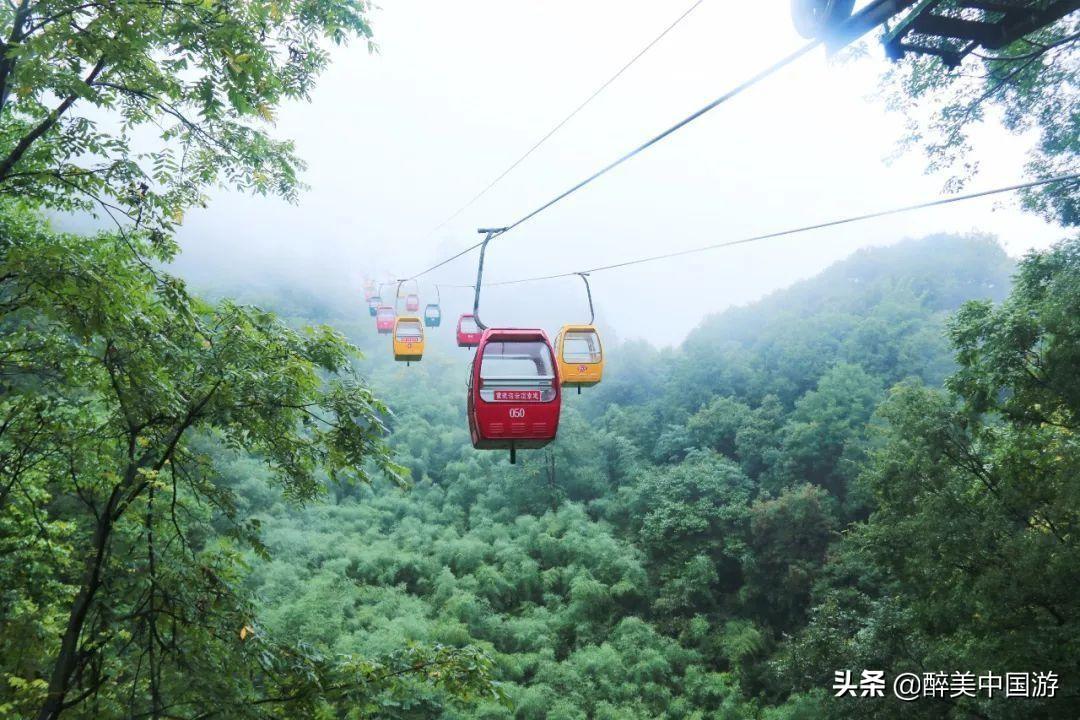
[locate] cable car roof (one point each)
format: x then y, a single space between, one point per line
515 334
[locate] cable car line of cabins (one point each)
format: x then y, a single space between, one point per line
516 374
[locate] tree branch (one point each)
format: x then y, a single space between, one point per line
45 125
7 64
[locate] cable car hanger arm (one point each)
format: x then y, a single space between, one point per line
490 233
588 292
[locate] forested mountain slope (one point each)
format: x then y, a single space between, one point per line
219 509
664 558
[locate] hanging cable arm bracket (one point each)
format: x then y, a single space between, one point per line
588 292
489 233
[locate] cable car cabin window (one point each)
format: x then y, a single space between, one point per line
516 359
468 325
409 330
581 347
386 312
522 366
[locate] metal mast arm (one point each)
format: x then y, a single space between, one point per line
490 233
588 292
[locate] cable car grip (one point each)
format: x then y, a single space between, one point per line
400 282
490 234
588 292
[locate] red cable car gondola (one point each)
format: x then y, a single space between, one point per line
514 396
468 332
412 302
384 319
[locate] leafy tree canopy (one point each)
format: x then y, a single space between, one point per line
135 107
1031 84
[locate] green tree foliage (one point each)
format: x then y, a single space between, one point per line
658 559
134 107
688 518
716 425
973 544
116 589
821 438
693 546
795 490
787 541
1029 85
128 407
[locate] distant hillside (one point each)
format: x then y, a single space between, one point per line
941 271
656 560
882 309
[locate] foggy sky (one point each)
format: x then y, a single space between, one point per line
396 141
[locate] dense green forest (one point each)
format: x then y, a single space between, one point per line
720 526
873 469
232 503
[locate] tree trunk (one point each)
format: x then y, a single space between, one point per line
68 657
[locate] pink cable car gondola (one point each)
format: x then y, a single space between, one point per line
468 332
384 319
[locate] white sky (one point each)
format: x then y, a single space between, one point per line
397 141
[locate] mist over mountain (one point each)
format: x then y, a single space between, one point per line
668 555
767 408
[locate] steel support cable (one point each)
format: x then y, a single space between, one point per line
745 85
567 119
1072 177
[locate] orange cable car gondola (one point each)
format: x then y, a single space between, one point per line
408 339
578 350
514 398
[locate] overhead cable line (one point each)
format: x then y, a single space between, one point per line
746 84
567 119
1073 177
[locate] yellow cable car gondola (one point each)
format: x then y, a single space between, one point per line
408 338
580 355
579 352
